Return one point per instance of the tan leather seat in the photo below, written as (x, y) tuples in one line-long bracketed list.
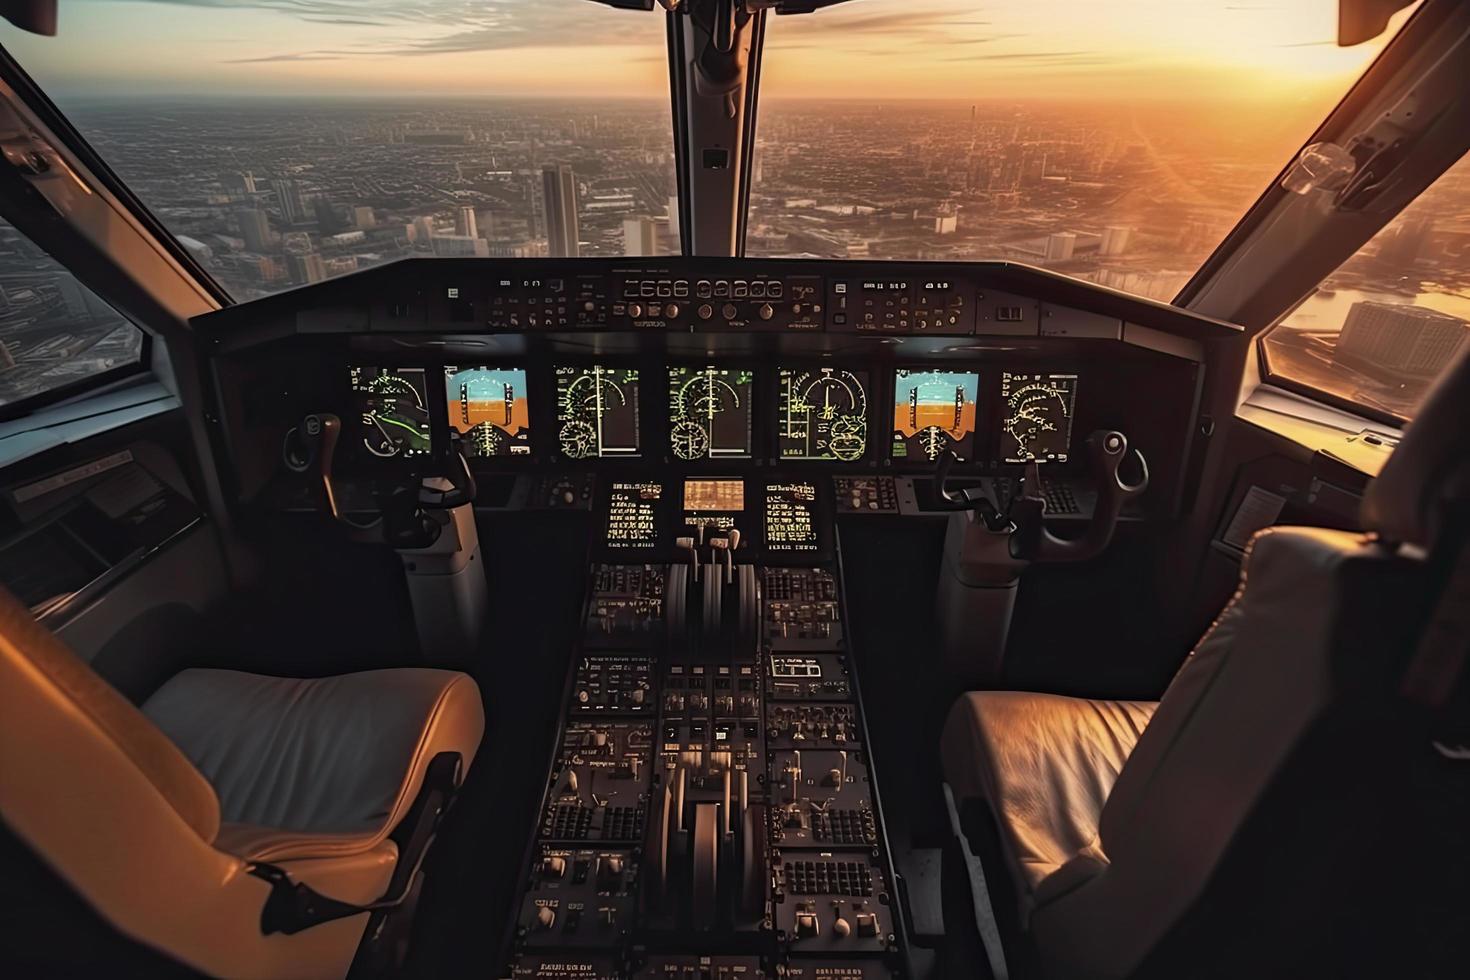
[(1138, 831), (164, 819)]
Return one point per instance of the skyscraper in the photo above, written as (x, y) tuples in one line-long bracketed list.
[(1400, 339), (306, 268), (640, 236), (255, 229), (464, 223), (559, 192), (290, 199)]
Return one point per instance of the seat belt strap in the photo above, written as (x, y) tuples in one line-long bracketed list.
[(985, 922)]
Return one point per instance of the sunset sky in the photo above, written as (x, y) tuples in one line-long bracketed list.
[(1072, 49)]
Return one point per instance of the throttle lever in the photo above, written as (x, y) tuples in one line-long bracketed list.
[(1106, 451)]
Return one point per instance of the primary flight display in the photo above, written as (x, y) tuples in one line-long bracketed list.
[(933, 413), (488, 407)]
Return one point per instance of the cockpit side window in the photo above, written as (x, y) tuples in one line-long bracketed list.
[(56, 336), (1378, 331)]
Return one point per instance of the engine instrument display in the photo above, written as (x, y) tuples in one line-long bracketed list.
[(1038, 416), (488, 408), (933, 413), (823, 414), (709, 412), (791, 521), (392, 410), (597, 412), (632, 514), (721, 496)]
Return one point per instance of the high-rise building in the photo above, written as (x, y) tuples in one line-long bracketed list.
[(306, 268), (559, 194), (1114, 240), (255, 228), (1401, 339), (241, 184), (1060, 245), (464, 223), (640, 236), (460, 246), (424, 229), (290, 199), (363, 216), (946, 224), (1404, 241)]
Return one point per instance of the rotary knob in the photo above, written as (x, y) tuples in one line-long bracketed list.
[(671, 310), (765, 312), (705, 311), (729, 311), (635, 310)]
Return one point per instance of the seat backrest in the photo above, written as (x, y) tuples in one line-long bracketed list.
[(91, 788), (1275, 746)]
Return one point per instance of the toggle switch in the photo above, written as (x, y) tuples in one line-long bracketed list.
[(807, 926), (554, 866)]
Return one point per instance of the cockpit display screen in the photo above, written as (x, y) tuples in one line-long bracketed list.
[(823, 414), (488, 408), (632, 514), (392, 411), (933, 413), (597, 412), (791, 521), (714, 496), (1037, 425), (709, 412)]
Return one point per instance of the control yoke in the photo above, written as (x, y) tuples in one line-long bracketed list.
[(1023, 518), (311, 447), (1106, 451)]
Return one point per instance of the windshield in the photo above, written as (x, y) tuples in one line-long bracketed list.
[(1117, 142), (289, 141)]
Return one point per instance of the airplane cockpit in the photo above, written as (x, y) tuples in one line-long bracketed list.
[(735, 490)]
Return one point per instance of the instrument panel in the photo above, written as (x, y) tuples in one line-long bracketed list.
[(717, 413)]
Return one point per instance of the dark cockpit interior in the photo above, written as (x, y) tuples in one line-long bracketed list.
[(711, 615)]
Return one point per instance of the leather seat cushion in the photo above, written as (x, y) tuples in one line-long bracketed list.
[(1045, 764), (316, 767)]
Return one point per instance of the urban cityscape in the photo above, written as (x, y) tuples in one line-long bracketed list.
[(274, 194)]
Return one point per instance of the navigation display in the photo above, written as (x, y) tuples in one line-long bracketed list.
[(791, 523), (823, 414), (597, 412), (1038, 417), (488, 408), (392, 411), (933, 413), (632, 515), (709, 413)]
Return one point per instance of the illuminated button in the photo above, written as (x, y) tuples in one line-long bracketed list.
[(703, 289), (757, 289), (741, 289), (775, 290), (681, 288), (665, 289), (722, 287), (646, 289)]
